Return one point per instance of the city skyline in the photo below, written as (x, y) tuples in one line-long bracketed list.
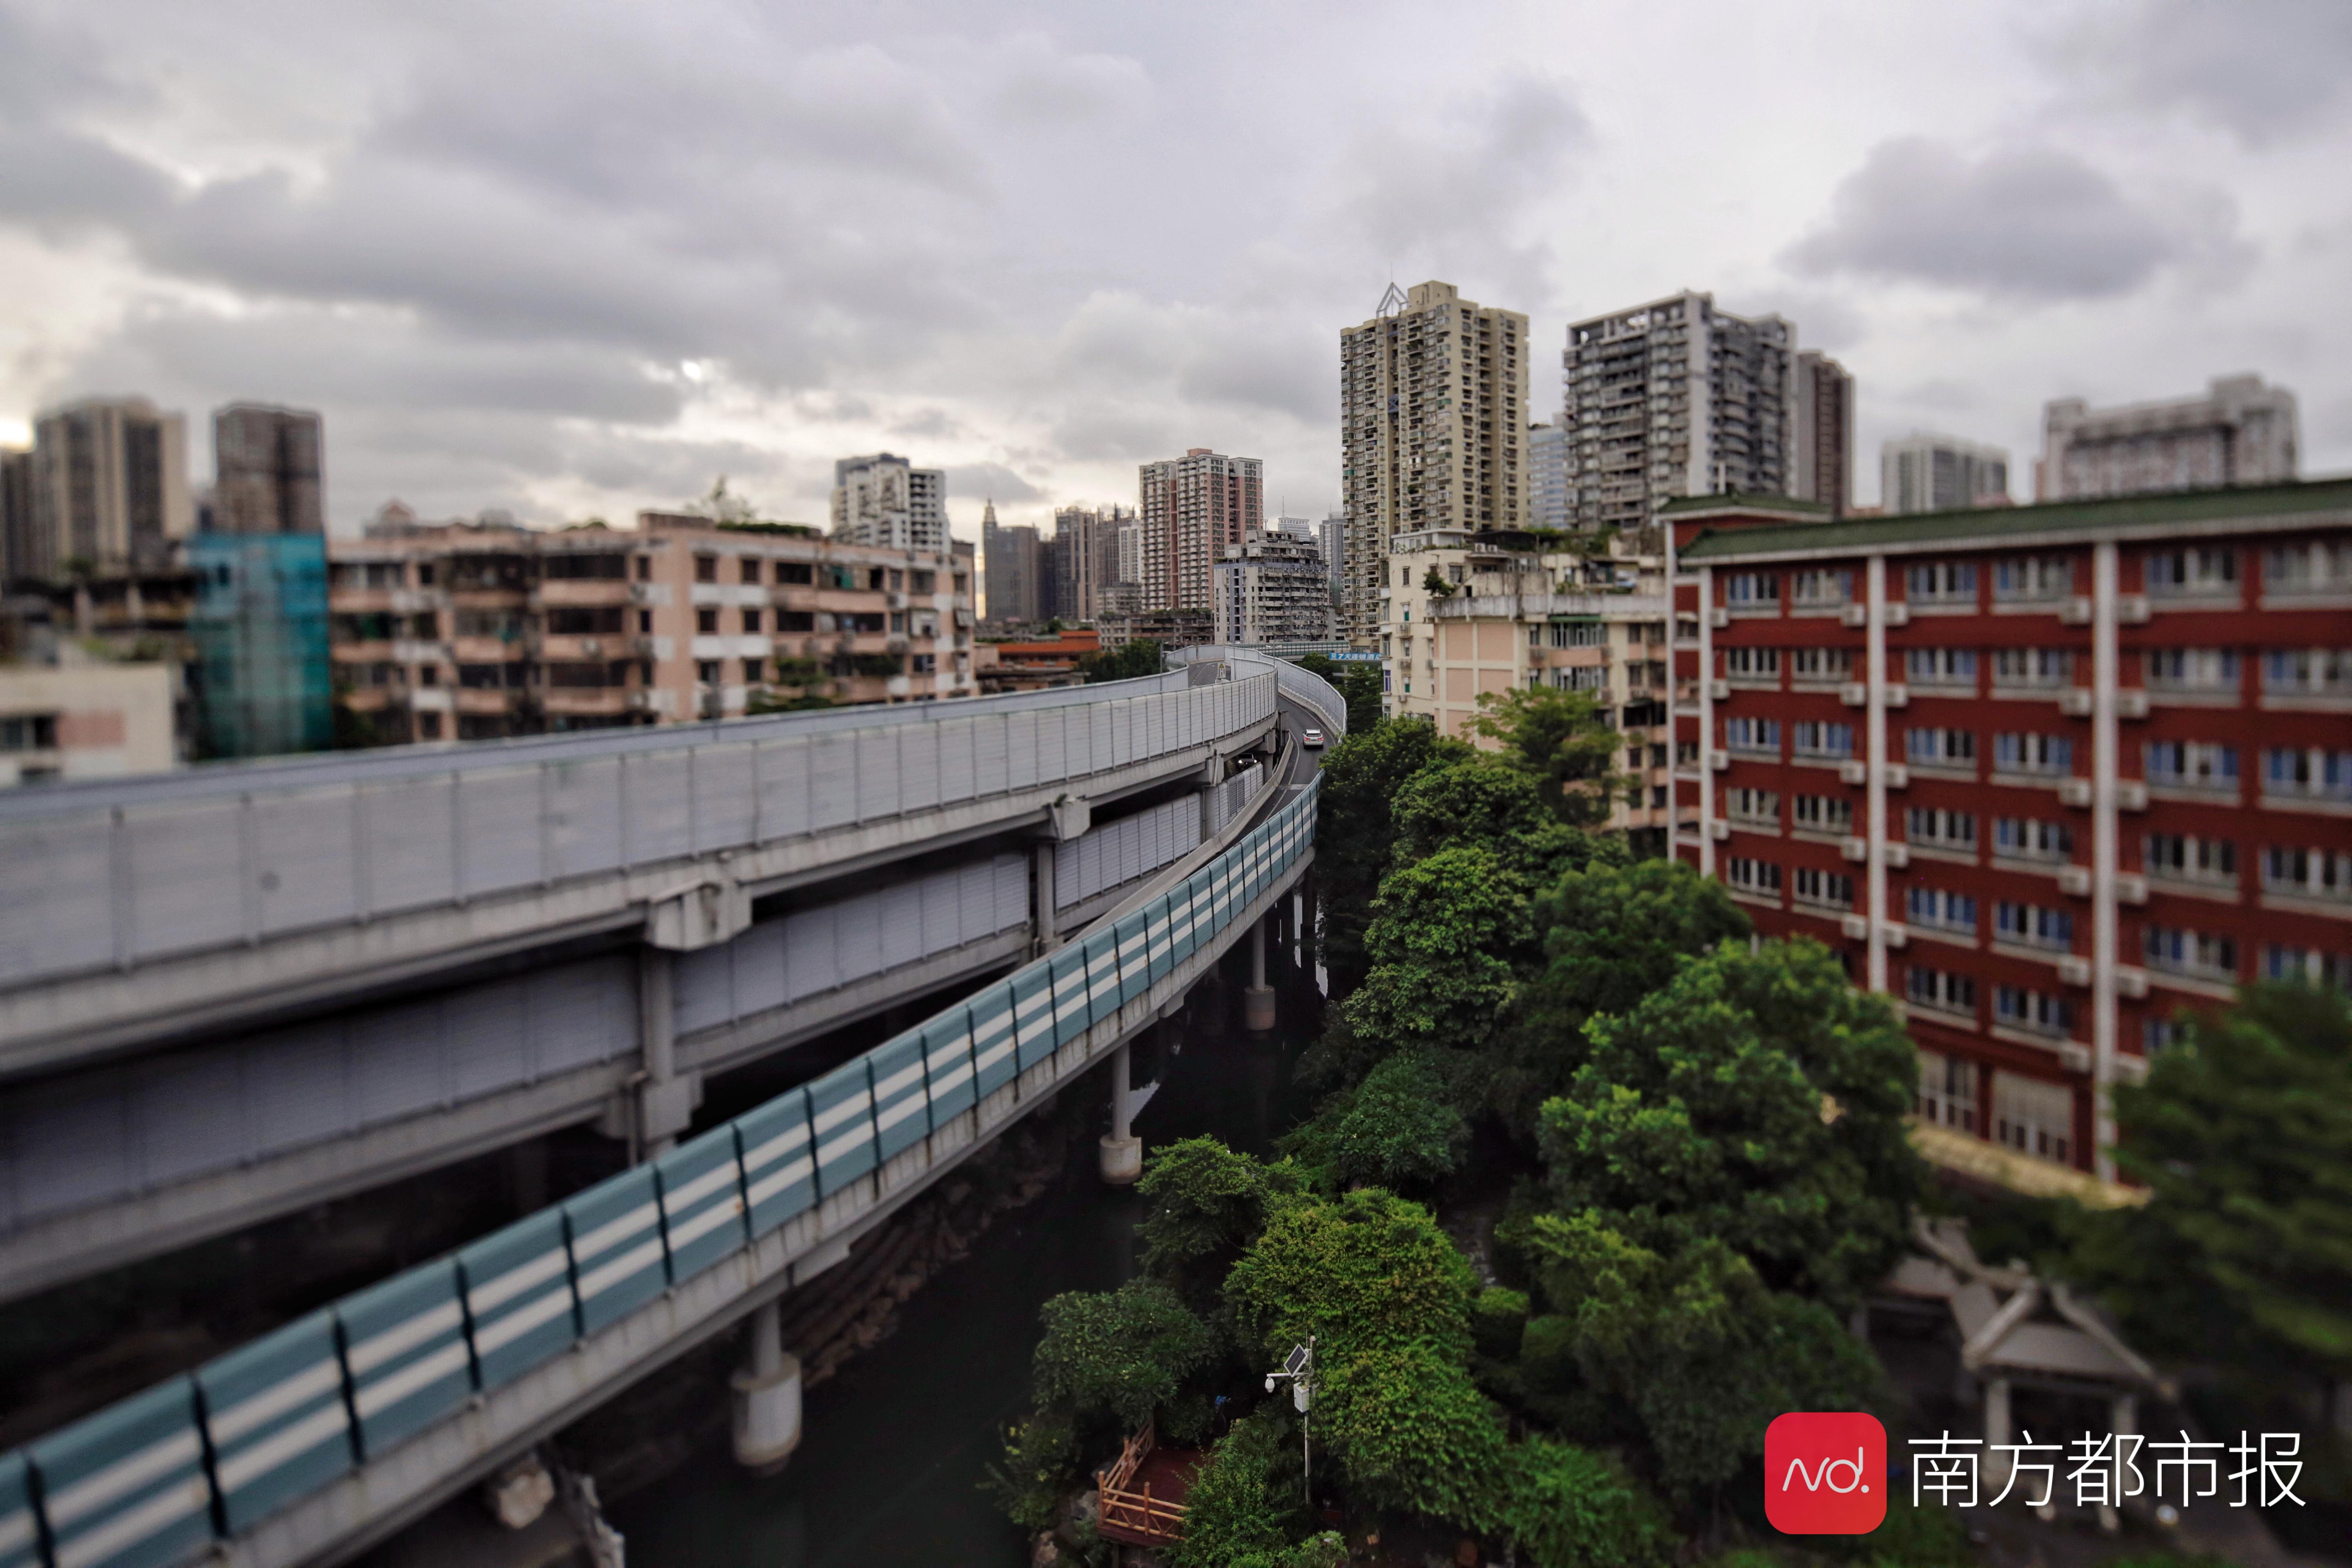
[(2141, 190)]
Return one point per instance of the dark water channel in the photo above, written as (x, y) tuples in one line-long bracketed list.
[(896, 1447)]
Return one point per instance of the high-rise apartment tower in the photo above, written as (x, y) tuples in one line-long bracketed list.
[(887, 501), (1678, 398), (1194, 506), (1823, 418), (1086, 557), (1272, 589), (109, 487), (16, 548), (1013, 561), (2239, 433), (1432, 414), (267, 464), (1548, 504), (1924, 472)]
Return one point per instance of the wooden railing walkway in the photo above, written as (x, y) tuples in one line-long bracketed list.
[(1130, 1513)]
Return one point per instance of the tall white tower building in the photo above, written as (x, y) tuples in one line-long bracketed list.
[(885, 499)]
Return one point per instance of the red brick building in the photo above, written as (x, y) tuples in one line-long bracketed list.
[(2045, 775)]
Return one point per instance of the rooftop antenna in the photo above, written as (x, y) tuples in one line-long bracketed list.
[(1393, 303)]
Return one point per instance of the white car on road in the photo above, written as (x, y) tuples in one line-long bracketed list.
[(1312, 740)]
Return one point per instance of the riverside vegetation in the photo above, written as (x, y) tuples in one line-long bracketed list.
[(1696, 1144)]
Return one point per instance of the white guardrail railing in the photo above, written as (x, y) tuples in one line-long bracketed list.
[(1310, 691), (211, 1455), (104, 876)]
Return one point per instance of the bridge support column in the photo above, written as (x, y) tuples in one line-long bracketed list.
[(1066, 818), (1122, 1151), (767, 1396), (665, 1101), (1257, 999), (1047, 929)]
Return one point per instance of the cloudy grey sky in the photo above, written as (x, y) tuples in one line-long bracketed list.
[(577, 258)]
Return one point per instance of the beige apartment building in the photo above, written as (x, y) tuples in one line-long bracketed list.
[(459, 631), (86, 721), (1434, 421), (1470, 613)]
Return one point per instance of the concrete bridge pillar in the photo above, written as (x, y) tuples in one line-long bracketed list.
[(1040, 878), (656, 1107), (767, 1396), (1122, 1151), (1066, 818), (1257, 998), (665, 1101)]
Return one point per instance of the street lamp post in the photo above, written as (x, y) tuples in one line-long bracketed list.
[(1299, 1367)]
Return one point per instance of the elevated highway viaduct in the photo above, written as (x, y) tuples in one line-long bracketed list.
[(230, 993), (325, 1435)]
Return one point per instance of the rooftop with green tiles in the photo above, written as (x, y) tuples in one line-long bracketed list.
[(2324, 501)]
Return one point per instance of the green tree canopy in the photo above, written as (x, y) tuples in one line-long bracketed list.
[(1358, 685), (1571, 1508), (1386, 1297), (2242, 1134), (1445, 934), (1695, 1344), (1355, 833), (1397, 1129), (1756, 1100), (1364, 1270), (1207, 1202), (1119, 1354), (1247, 1499), (1124, 662), (1560, 738), (1486, 800), (1613, 933)]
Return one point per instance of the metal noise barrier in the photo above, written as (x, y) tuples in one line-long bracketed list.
[(114, 874), (154, 1480), (1303, 687)]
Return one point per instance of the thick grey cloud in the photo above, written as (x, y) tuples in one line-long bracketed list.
[(1457, 183), (2031, 224), (320, 357), (990, 482), (2263, 69), (582, 258)]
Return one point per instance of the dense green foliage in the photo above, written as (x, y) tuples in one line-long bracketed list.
[(1573, 1508), (1247, 1500), (1120, 1353), (1699, 1116), (2242, 1134), (1612, 934), (1208, 1203), (1559, 738), (1358, 683), (1355, 833), (1693, 1343), (1707, 1139), (1395, 1130), (1124, 662)]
